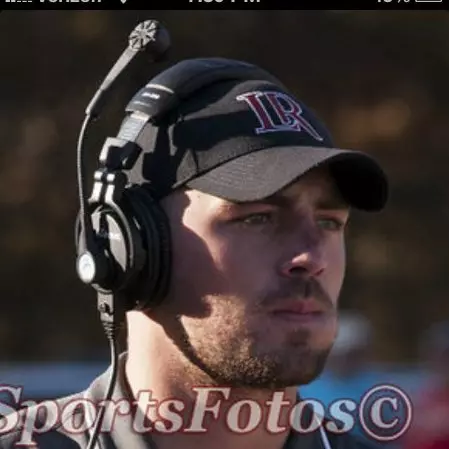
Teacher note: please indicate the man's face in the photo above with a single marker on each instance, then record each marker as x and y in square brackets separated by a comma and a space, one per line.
[255, 286]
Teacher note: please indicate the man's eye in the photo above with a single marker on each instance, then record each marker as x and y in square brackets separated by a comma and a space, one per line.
[331, 224]
[257, 219]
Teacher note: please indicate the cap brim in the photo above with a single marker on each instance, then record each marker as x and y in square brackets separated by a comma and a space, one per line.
[260, 174]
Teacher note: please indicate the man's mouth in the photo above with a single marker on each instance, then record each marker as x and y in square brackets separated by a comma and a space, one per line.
[301, 311]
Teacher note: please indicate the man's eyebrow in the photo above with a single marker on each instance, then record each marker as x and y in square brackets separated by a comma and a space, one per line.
[280, 199]
[277, 199]
[331, 202]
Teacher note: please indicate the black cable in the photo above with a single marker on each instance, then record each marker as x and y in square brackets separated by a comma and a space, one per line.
[85, 221]
[110, 331]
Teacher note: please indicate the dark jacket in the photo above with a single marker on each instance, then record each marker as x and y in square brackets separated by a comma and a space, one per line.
[63, 417]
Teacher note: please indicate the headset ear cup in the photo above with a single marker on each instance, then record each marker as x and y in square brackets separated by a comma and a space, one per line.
[134, 236]
[142, 281]
[118, 241]
[152, 285]
[164, 248]
[131, 218]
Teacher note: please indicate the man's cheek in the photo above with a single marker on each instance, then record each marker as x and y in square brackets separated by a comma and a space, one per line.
[247, 264]
[335, 273]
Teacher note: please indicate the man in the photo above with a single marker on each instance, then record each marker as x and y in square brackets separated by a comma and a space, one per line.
[257, 199]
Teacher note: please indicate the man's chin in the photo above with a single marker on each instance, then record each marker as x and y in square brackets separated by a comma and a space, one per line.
[308, 368]
[298, 379]
[287, 375]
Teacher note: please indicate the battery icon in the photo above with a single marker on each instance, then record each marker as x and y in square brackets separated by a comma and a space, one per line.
[429, 1]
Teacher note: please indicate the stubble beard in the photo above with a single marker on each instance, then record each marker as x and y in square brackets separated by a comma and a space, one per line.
[244, 361]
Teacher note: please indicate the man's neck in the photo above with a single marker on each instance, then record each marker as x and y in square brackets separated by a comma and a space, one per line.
[206, 415]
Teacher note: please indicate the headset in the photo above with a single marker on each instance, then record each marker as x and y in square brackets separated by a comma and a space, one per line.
[122, 235]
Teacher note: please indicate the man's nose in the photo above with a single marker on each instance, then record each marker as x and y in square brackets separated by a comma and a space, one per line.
[308, 260]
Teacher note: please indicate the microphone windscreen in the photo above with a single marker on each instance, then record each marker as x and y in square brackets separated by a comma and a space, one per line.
[150, 36]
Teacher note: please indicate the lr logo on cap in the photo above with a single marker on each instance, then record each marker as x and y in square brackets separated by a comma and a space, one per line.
[283, 114]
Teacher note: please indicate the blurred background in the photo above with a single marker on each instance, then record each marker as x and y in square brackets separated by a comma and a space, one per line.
[380, 82]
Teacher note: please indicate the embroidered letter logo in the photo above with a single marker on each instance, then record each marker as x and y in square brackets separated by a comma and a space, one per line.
[277, 112]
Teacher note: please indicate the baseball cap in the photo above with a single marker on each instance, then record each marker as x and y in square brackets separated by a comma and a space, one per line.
[244, 140]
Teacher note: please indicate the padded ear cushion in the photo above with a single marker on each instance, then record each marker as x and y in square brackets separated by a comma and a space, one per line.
[164, 247]
[150, 285]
